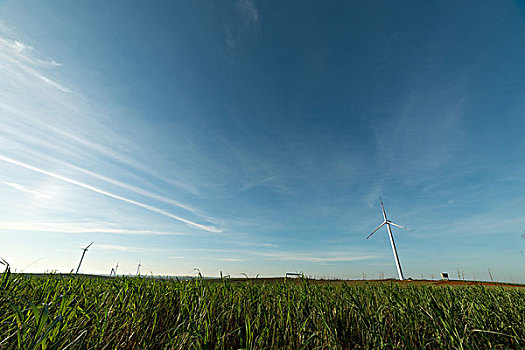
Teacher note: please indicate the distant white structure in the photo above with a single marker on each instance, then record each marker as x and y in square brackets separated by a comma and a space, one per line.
[388, 223]
[138, 268]
[444, 276]
[294, 274]
[83, 253]
[113, 271]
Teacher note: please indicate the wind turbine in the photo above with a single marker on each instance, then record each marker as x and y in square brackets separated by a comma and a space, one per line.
[388, 223]
[138, 268]
[114, 271]
[83, 253]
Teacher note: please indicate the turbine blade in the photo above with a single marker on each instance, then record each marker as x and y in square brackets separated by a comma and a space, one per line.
[377, 228]
[406, 228]
[89, 245]
[383, 208]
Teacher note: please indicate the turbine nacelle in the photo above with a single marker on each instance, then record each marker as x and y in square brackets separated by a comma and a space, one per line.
[85, 249]
[389, 223]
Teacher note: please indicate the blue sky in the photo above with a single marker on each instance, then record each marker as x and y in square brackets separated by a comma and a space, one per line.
[255, 137]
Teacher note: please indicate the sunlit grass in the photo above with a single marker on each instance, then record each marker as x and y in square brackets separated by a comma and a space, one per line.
[59, 312]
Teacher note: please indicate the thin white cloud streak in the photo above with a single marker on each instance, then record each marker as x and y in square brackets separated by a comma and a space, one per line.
[38, 141]
[137, 190]
[19, 54]
[31, 131]
[260, 173]
[132, 188]
[22, 188]
[253, 184]
[318, 259]
[325, 257]
[112, 247]
[269, 245]
[14, 52]
[121, 248]
[118, 156]
[77, 141]
[80, 228]
[230, 260]
[478, 225]
[111, 195]
[92, 145]
[20, 50]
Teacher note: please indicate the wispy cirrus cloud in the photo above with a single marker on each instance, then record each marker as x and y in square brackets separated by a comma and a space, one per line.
[121, 248]
[34, 125]
[78, 228]
[16, 53]
[120, 157]
[26, 132]
[50, 126]
[328, 257]
[22, 188]
[111, 195]
[248, 12]
[321, 257]
[230, 259]
[22, 51]
[247, 16]
[269, 245]
[253, 184]
[138, 190]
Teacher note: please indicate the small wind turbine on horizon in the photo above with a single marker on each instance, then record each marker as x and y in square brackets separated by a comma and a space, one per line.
[82, 257]
[388, 223]
[138, 268]
[114, 271]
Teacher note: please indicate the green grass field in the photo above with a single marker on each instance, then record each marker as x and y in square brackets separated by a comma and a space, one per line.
[72, 312]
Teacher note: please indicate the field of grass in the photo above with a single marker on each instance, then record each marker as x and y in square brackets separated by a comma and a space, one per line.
[70, 312]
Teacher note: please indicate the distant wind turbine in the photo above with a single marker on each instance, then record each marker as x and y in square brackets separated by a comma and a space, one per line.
[138, 268]
[83, 253]
[114, 271]
[388, 223]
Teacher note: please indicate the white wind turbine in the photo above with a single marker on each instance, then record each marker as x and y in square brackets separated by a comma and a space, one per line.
[83, 253]
[138, 268]
[388, 223]
[114, 271]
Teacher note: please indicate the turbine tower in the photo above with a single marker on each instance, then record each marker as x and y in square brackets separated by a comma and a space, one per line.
[82, 257]
[138, 268]
[388, 223]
